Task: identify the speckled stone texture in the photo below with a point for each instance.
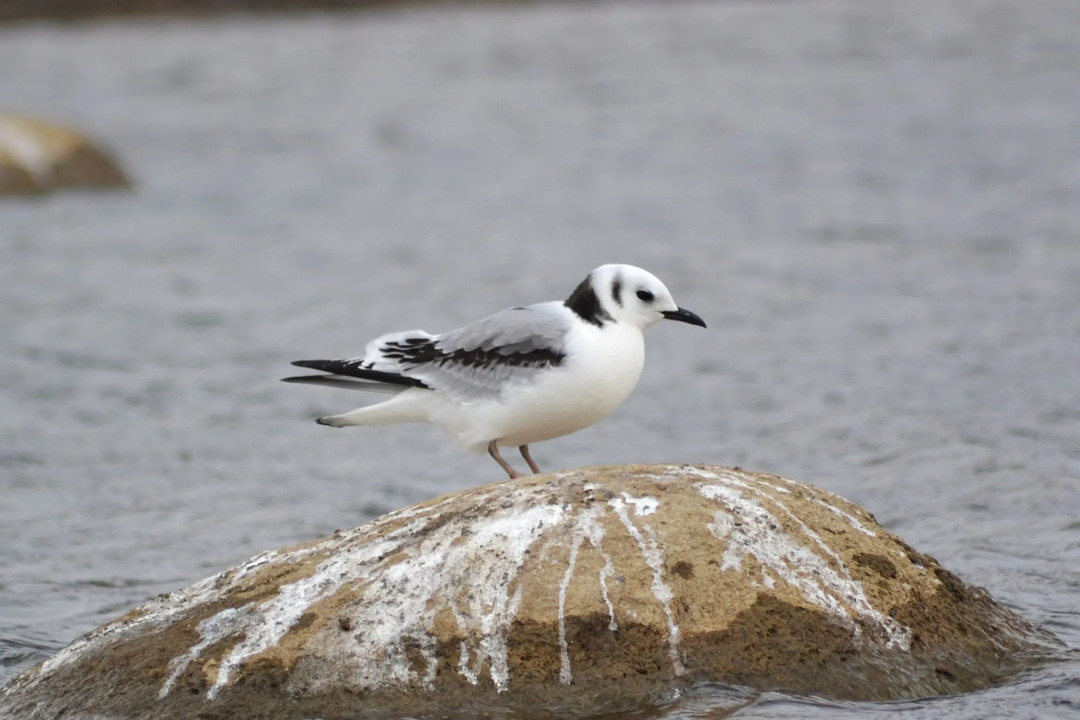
(593, 590)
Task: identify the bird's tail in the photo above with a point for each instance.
(406, 407)
(348, 383)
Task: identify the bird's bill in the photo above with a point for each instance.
(685, 316)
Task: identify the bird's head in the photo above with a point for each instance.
(626, 294)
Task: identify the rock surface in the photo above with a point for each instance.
(14, 178)
(593, 590)
(37, 156)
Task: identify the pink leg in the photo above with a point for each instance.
(493, 451)
(528, 458)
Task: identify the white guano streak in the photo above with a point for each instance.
(565, 675)
(484, 566)
(161, 611)
(852, 520)
(746, 480)
(644, 505)
(759, 533)
(650, 551)
(264, 624)
(399, 592)
(586, 526)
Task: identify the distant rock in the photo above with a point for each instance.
(14, 178)
(599, 589)
(37, 156)
(67, 10)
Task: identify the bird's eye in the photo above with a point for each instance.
(645, 296)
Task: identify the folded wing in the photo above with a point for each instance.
(471, 363)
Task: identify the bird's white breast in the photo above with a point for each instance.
(599, 371)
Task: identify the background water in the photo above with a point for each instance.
(874, 205)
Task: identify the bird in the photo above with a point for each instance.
(518, 377)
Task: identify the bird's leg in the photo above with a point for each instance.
(493, 451)
(528, 458)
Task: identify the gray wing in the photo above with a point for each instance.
(478, 361)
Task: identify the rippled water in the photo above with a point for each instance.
(874, 205)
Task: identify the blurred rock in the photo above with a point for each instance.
(82, 9)
(52, 157)
(14, 178)
(601, 589)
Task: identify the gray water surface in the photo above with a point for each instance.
(874, 206)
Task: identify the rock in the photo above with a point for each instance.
(52, 157)
(14, 178)
(594, 590)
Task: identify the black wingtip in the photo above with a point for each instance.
(300, 378)
(353, 368)
(315, 364)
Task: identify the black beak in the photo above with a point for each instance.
(684, 316)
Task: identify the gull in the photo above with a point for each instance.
(517, 377)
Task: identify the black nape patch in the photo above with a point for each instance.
(586, 305)
(616, 291)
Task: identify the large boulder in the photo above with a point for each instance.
(37, 156)
(589, 590)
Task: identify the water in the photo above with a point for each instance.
(873, 205)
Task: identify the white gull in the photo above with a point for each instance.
(517, 377)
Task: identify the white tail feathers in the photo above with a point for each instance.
(401, 408)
